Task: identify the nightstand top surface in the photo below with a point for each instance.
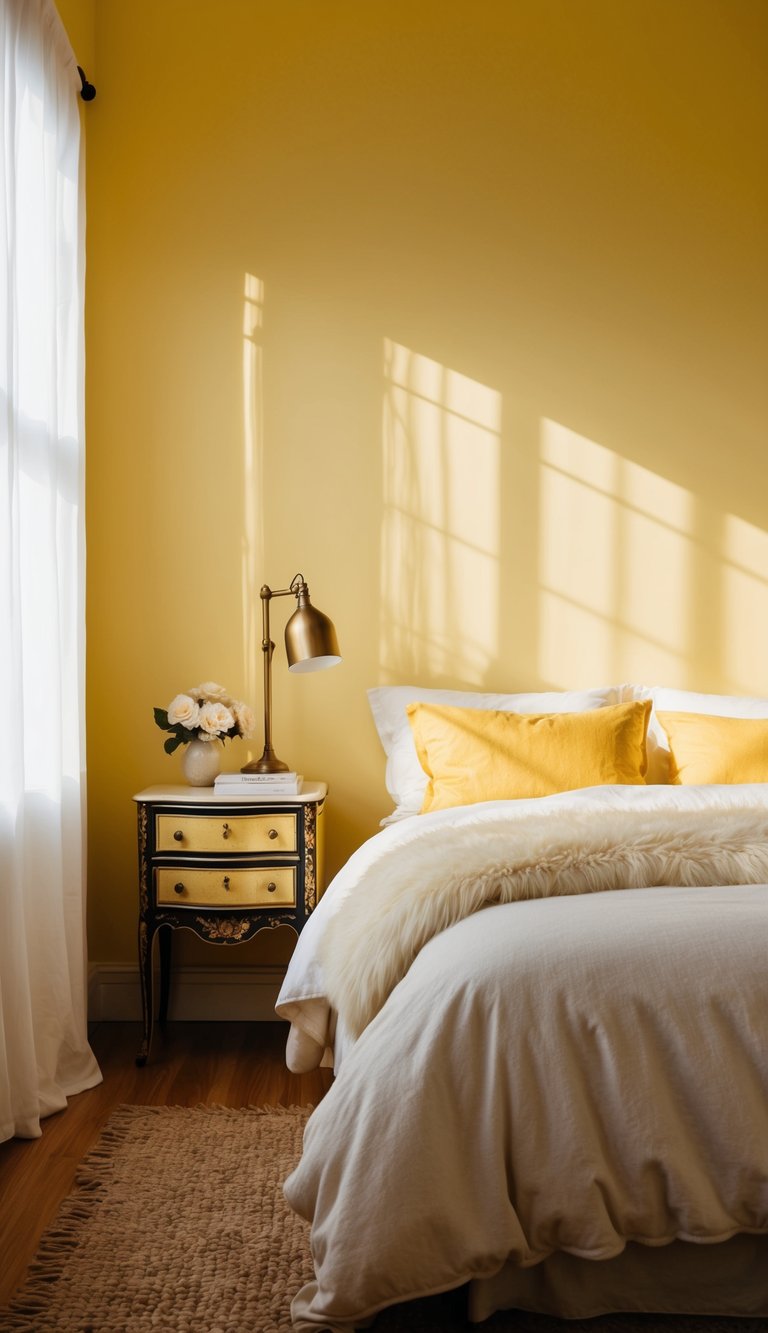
(310, 791)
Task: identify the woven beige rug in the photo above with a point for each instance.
(177, 1224)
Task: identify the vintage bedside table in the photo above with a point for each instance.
(223, 867)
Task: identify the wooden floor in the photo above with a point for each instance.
(225, 1064)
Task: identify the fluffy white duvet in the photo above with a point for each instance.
(579, 1066)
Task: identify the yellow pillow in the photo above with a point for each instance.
(707, 749)
(471, 754)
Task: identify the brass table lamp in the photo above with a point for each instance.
(310, 645)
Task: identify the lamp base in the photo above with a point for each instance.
(268, 763)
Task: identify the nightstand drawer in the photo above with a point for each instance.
(179, 886)
(230, 833)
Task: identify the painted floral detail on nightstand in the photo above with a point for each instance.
(310, 883)
(228, 930)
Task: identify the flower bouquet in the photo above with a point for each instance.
(205, 713)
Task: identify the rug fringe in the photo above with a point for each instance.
(64, 1235)
(217, 1107)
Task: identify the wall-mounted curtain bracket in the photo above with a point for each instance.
(87, 92)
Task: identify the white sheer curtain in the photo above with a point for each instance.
(44, 1052)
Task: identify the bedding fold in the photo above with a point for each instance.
(425, 885)
(580, 1066)
(318, 1032)
(556, 1075)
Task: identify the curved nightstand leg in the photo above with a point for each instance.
(165, 934)
(146, 936)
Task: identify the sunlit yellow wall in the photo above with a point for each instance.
(79, 19)
(458, 308)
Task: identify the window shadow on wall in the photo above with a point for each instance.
(441, 521)
(252, 549)
(641, 579)
(622, 574)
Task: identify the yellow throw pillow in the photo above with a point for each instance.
(472, 755)
(707, 749)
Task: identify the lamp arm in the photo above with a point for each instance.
(298, 586)
(269, 763)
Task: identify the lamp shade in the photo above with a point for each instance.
(310, 639)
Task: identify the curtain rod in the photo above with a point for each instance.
(87, 92)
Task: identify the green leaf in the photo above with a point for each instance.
(172, 744)
(161, 718)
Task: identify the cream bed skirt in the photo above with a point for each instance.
(730, 1278)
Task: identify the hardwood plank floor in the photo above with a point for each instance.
(225, 1064)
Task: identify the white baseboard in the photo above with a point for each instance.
(198, 994)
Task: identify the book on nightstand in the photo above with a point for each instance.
(285, 784)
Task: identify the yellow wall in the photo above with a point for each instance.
(79, 19)
(458, 308)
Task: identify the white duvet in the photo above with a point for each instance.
(556, 1073)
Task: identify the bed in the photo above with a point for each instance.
(548, 1017)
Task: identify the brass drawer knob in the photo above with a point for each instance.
(226, 883)
(225, 830)
(272, 833)
(178, 836)
(271, 887)
(178, 888)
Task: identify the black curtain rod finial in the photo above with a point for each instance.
(87, 92)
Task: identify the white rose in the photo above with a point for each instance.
(244, 718)
(184, 712)
(215, 719)
(212, 693)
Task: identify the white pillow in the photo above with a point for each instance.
(712, 705)
(685, 701)
(405, 778)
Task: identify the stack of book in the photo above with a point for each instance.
(268, 784)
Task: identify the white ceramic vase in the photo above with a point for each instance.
(201, 762)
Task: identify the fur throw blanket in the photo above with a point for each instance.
(445, 872)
